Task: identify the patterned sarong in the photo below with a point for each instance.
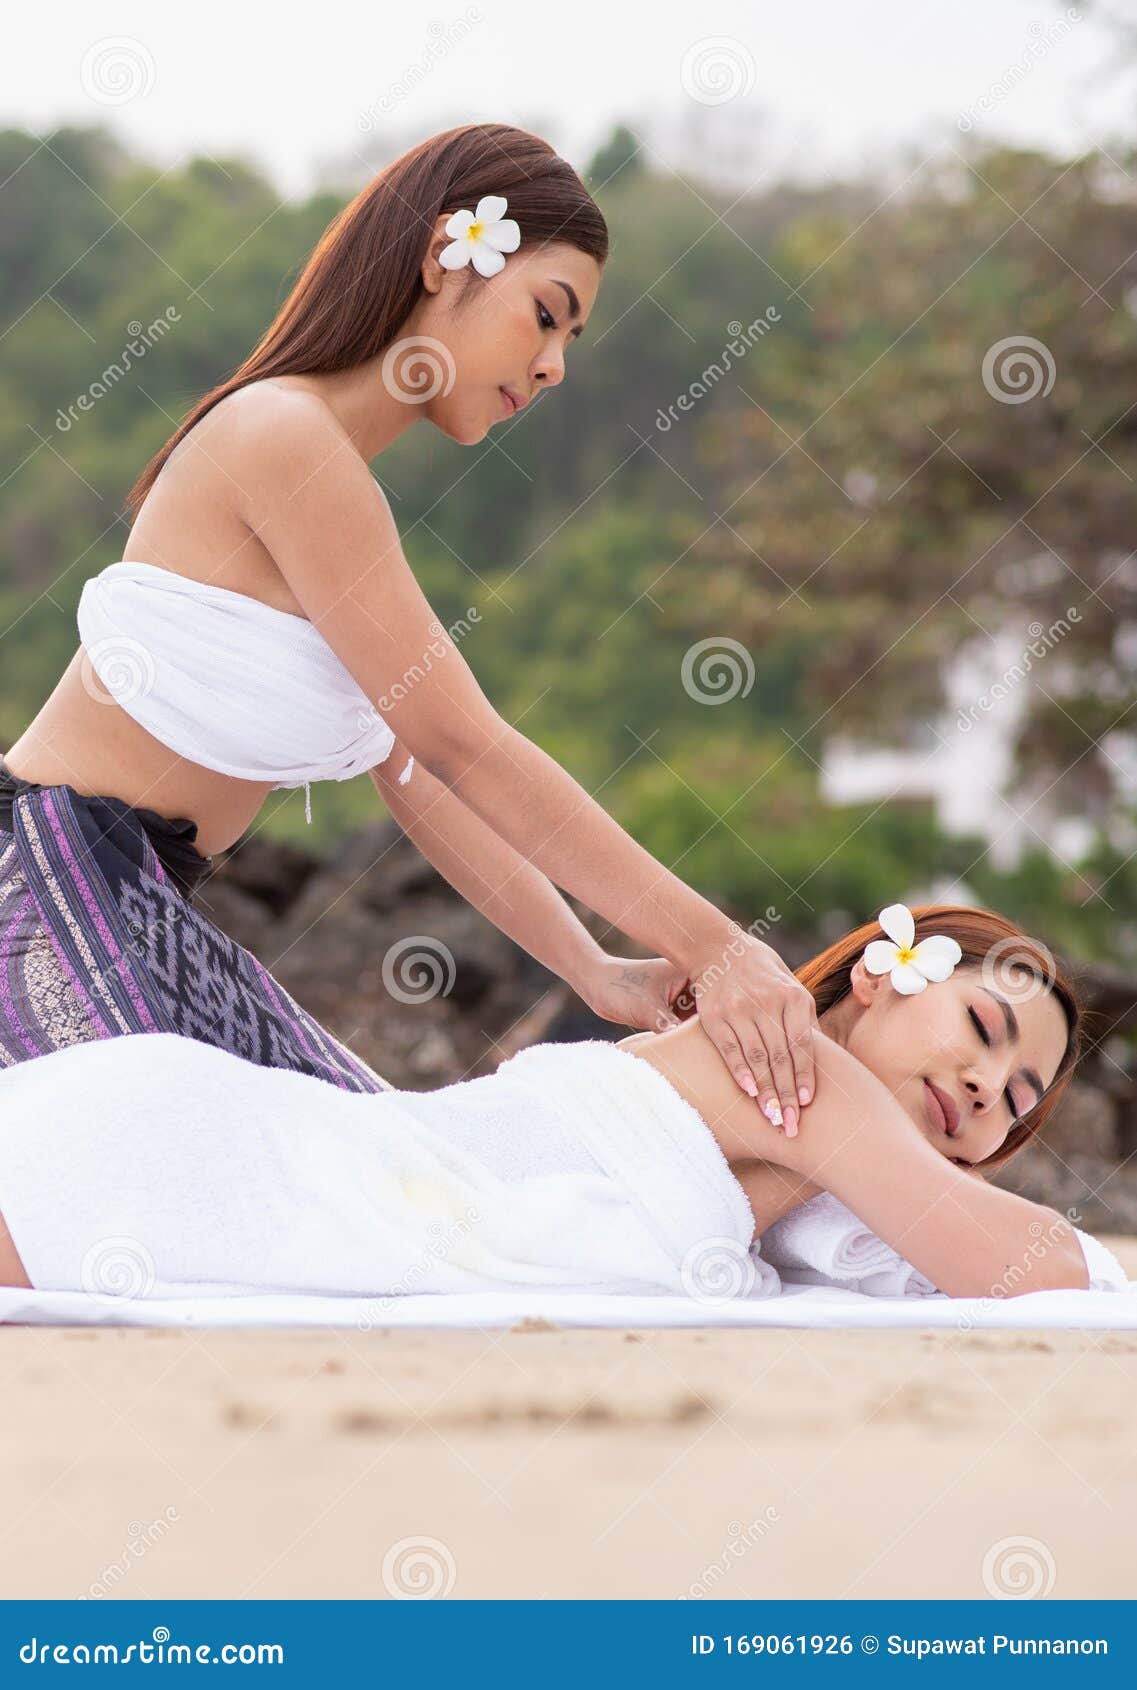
(99, 938)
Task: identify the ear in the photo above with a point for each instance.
(432, 272)
(865, 986)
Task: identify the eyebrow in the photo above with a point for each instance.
(574, 302)
(1029, 1074)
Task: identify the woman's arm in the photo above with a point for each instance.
(518, 898)
(303, 489)
(971, 1239)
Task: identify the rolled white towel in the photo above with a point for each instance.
(822, 1242)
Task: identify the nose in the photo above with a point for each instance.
(549, 367)
(984, 1085)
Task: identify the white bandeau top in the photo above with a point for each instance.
(226, 681)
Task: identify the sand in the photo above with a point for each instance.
(547, 1463)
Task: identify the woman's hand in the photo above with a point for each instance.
(648, 995)
(762, 1021)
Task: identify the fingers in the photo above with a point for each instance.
(756, 1052)
(799, 1019)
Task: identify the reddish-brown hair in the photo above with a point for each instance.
(364, 276)
(1004, 952)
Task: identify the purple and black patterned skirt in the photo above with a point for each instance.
(99, 936)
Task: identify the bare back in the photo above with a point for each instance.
(188, 523)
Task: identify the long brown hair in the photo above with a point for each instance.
(363, 278)
(1005, 954)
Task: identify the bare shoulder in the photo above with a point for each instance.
(845, 1091)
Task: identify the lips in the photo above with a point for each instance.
(943, 1109)
(513, 400)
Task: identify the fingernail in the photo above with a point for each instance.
(791, 1121)
(772, 1113)
(803, 1094)
(748, 1085)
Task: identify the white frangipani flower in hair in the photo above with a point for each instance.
(910, 966)
(481, 237)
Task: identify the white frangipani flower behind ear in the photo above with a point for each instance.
(480, 237)
(910, 966)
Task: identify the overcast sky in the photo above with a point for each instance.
(811, 87)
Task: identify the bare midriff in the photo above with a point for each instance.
(82, 736)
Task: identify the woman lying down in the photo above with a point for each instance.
(157, 1166)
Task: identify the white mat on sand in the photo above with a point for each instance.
(811, 1306)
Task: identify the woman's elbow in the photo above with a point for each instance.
(1053, 1260)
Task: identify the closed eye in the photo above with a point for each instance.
(986, 1037)
(545, 317)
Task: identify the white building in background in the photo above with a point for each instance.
(963, 764)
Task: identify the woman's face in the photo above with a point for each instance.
(988, 1052)
(511, 330)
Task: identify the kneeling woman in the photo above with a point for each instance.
(946, 1041)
